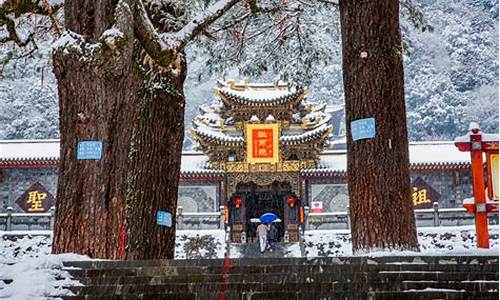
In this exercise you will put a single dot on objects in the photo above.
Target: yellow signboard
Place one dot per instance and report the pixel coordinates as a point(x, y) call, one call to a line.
point(494, 174)
point(262, 143)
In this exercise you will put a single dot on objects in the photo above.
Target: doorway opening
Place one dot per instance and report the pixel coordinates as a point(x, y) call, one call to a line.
point(260, 200)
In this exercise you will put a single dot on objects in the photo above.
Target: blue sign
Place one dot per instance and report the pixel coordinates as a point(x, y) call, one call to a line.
point(164, 218)
point(89, 150)
point(363, 129)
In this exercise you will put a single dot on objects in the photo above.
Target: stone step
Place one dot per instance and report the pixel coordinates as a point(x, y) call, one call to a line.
point(312, 295)
point(96, 264)
point(294, 277)
point(240, 287)
point(470, 286)
point(177, 270)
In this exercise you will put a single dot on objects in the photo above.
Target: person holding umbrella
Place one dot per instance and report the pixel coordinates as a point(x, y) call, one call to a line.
point(262, 229)
point(271, 236)
point(262, 234)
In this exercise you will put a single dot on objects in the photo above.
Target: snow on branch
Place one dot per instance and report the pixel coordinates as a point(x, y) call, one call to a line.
point(163, 47)
point(110, 39)
point(12, 9)
point(199, 23)
point(149, 37)
point(255, 8)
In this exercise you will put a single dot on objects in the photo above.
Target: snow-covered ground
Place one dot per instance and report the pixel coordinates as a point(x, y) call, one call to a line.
point(452, 240)
point(37, 273)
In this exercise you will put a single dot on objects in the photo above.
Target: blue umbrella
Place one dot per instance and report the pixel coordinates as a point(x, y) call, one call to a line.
point(268, 218)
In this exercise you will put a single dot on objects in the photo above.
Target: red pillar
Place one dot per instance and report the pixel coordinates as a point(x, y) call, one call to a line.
point(479, 190)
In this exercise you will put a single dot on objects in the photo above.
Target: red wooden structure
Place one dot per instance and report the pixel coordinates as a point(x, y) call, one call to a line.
point(480, 144)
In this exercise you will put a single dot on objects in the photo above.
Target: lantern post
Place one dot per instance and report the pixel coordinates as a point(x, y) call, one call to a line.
point(478, 143)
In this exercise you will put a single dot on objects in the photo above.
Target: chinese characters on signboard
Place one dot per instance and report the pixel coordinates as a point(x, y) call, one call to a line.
point(363, 129)
point(36, 199)
point(89, 150)
point(262, 143)
point(423, 195)
point(164, 218)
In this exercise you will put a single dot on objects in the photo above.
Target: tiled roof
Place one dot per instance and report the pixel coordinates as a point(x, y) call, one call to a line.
point(260, 98)
point(423, 156)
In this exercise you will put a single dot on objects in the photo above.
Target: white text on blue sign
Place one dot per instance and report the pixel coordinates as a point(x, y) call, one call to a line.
point(363, 129)
point(89, 150)
point(164, 218)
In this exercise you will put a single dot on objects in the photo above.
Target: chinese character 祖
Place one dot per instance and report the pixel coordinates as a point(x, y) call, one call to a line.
point(35, 199)
point(262, 152)
point(420, 197)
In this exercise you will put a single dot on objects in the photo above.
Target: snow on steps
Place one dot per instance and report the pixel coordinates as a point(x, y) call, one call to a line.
point(389, 277)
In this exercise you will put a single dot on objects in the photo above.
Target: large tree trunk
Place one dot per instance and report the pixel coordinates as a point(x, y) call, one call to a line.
point(155, 153)
point(96, 97)
point(378, 169)
point(107, 94)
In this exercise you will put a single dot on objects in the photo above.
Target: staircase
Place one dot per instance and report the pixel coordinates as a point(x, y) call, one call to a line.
point(362, 278)
point(252, 250)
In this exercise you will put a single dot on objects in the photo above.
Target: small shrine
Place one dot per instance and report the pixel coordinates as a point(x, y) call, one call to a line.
point(261, 136)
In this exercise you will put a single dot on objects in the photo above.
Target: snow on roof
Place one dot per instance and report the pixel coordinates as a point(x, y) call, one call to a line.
point(334, 160)
point(29, 149)
point(18, 150)
point(260, 96)
point(334, 108)
point(210, 133)
point(442, 153)
point(485, 137)
point(192, 162)
point(308, 134)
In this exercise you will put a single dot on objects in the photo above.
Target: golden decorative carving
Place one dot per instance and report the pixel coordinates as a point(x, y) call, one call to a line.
point(262, 179)
point(285, 166)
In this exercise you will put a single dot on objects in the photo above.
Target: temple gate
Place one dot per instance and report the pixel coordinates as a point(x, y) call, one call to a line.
point(262, 136)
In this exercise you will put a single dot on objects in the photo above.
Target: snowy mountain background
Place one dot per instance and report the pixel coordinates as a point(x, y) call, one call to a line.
point(451, 74)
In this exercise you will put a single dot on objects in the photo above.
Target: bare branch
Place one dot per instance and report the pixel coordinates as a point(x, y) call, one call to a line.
point(330, 2)
point(17, 8)
point(163, 47)
point(199, 24)
point(255, 8)
point(149, 37)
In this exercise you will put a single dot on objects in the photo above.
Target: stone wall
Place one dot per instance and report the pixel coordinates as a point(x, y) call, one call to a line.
point(16, 181)
point(193, 197)
point(453, 187)
point(204, 196)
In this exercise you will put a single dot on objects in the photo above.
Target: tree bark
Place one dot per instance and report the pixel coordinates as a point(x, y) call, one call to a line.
point(154, 169)
point(378, 169)
point(108, 93)
point(97, 92)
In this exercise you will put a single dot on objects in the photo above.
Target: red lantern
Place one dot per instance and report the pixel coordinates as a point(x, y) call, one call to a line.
point(292, 201)
point(237, 202)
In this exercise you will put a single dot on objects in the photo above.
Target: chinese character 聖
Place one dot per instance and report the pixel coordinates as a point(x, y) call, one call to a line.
point(36, 199)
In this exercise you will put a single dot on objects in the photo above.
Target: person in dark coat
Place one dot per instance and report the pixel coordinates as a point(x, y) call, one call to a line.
point(271, 236)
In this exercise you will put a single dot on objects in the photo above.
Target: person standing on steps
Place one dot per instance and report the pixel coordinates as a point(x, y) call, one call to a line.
point(271, 237)
point(262, 234)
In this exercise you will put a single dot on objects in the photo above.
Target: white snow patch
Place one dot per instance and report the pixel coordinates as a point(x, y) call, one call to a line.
point(35, 272)
point(433, 241)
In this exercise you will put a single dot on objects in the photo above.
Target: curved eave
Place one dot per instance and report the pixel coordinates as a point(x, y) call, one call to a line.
point(316, 135)
point(205, 138)
point(236, 100)
point(29, 163)
point(202, 175)
point(416, 167)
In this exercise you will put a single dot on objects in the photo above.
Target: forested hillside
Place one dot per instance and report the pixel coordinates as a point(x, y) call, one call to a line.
point(451, 70)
